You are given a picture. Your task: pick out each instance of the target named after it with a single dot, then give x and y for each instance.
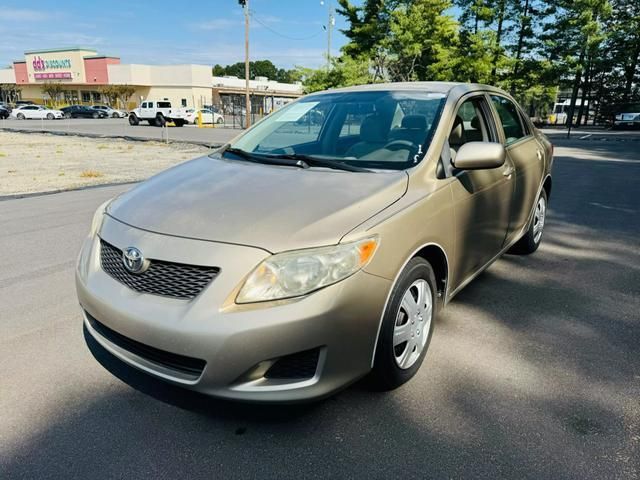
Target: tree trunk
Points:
(585, 91)
(630, 71)
(574, 92)
(496, 55)
(516, 66)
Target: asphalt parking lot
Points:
(533, 372)
(119, 127)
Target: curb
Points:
(121, 137)
(17, 196)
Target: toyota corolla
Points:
(317, 247)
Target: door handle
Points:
(539, 154)
(507, 171)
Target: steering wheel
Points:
(399, 145)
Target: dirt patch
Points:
(34, 162)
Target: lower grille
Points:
(169, 279)
(189, 366)
(299, 365)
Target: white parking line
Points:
(585, 136)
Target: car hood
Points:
(271, 207)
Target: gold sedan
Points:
(317, 247)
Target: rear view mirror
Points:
(479, 155)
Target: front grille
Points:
(176, 280)
(189, 366)
(295, 366)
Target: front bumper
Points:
(234, 341)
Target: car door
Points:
(147, 110)
(527, 158)
(32, 112)
(42, 112)
(481, 198)
(207, 116)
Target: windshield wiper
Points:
(269, 160)
(320, 162)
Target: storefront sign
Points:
(56, 75)
(39, 64)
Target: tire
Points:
(95, 115)
(178, 123)
(49, 116)
(115, 115)
(20, 116)
(160, 120)
(133, 120)
(220, 121)
(397, 364)
(531, 240)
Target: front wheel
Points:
(133, 120)
(95, 115)
(160, 121)
(115, 115)
(407, 326)
(530, 242)
(220, 120)
(49, 116)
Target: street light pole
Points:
(245, 7)
(331, 21)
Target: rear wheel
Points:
(220, 120)
(115, 115)
(133, 120)
(530, 242)
(20, 116)
(160, 120)
(407, 326)
(95, 115)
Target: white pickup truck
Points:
(158, 113)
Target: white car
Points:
(36, 111)
(207, 116)
(112, 112)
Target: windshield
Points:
(369, 129)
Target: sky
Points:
(287, 32)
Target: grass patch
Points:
(102, 147)
(2, 154)
(91, 174)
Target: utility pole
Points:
(331, 21)
(245, 7)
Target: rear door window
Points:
(509, 118)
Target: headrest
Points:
(371, 129)
(475, 123)
(456, 137)
(414, 122)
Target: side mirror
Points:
(479, 155)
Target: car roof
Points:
(434, 87)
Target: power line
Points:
(275, 32)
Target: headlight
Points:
(96, 223)
(291, 274)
